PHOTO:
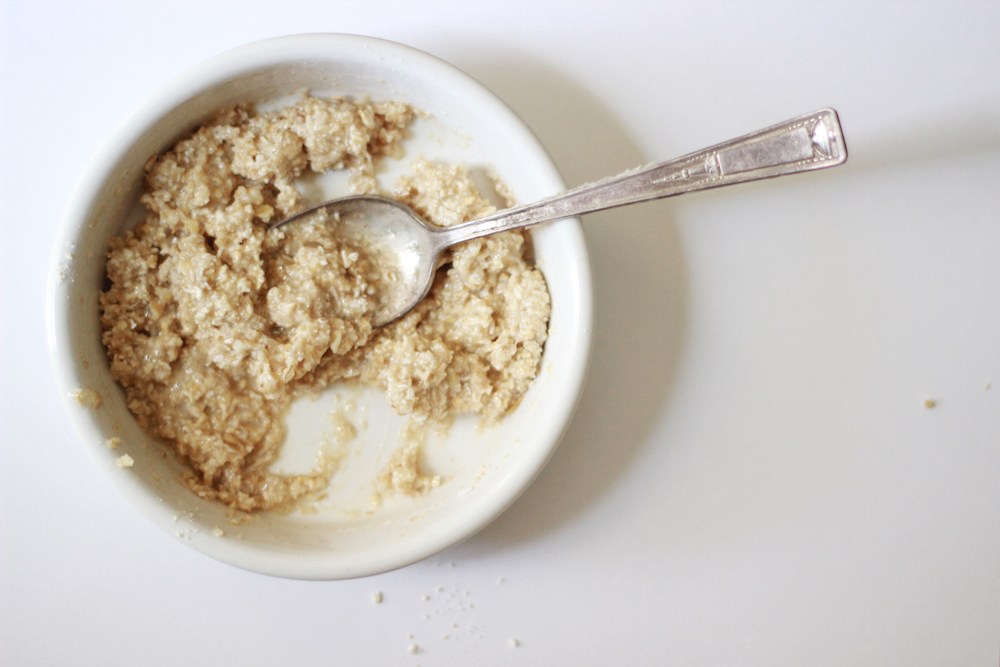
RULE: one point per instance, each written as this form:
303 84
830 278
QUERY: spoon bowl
407 247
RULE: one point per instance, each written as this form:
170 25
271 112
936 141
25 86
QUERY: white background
752 477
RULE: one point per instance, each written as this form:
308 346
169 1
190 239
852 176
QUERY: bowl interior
346 534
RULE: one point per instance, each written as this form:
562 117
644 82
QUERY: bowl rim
199 78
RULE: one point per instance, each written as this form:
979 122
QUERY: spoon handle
812 141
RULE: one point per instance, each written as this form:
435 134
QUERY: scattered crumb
377 597
930 403
218 532
513 642
413 648
115 442
426 597
344 430
66 267
88 398
125 461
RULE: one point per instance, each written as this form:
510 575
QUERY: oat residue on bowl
88 398
213 324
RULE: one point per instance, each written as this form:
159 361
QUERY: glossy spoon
412 248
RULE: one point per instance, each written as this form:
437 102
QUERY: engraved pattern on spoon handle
808 142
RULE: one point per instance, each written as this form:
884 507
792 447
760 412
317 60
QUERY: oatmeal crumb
114 442
930 403
218 532
125 461
377 597
88 398
514 643
414 649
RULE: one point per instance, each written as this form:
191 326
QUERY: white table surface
752 478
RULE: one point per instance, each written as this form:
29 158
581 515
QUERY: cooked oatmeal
213 324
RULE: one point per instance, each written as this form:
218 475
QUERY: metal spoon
412 248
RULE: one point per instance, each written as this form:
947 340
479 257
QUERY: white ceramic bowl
345 536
